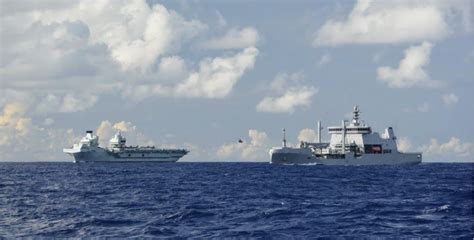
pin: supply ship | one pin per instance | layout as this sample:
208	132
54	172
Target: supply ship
350	144
88	150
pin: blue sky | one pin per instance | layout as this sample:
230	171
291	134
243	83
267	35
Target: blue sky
202	74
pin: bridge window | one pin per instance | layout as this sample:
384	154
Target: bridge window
373	148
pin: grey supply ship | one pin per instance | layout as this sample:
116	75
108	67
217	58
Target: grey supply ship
88	150
350	144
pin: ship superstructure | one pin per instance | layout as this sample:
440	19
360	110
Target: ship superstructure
352	143
88	150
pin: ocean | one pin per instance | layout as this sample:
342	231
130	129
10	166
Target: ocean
235	200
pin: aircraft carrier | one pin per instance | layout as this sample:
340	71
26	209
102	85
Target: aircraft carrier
88	150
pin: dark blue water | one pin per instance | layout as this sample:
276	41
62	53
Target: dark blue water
243	200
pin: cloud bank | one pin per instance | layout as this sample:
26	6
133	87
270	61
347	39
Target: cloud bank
66	56
255	148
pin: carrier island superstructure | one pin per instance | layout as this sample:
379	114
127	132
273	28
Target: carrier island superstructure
350	144
88	150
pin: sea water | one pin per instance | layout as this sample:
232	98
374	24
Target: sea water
241	200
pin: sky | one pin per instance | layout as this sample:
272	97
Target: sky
203	74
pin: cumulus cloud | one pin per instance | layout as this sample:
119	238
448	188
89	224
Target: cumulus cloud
68	103
287	103
235	39
450	99
254	149
172	68
107	129
386	22
66	55
11	111
135	32
410	71
404	144
292	94
284	80
326	58
307	135
452	147
22	139
215	77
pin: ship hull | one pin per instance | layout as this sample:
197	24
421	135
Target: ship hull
104	156
305	157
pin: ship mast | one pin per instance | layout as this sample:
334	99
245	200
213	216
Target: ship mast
343	136
319	131
356	112
284	138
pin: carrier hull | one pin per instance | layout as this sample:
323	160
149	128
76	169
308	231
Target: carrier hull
105	156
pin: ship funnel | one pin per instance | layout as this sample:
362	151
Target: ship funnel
89	131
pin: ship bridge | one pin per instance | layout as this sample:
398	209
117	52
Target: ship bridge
118	141
357	135
355	127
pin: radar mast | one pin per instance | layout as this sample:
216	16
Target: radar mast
355	119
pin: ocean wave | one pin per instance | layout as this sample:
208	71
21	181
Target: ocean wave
232	200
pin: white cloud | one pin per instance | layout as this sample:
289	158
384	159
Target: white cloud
107	129
404	144
450	99
326	58
95	48
135	33
307	135
68	103
452	147
173	68
292	94
21	139
410	71
255	149
10	113
216	77
235	39
287	103
283	81
386	22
